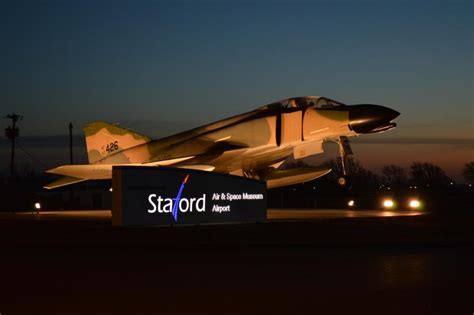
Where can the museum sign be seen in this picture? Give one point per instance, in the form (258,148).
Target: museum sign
(170,196)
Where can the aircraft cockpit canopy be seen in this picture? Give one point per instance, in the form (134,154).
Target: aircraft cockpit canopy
(304,102)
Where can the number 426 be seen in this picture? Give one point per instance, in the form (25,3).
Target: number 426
(112,146)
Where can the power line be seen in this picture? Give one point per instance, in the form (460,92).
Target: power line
(32,157)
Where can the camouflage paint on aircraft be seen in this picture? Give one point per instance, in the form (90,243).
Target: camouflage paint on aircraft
(104,140)
(253,144)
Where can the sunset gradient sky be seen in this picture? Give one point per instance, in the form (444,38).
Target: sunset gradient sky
(161,67)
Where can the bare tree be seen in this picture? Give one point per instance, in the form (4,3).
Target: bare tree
(468,172)
(394,176)
(428,174)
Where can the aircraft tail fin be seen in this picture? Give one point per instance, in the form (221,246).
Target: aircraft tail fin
(104,139)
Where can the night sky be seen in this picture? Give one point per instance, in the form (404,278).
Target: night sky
(163,67)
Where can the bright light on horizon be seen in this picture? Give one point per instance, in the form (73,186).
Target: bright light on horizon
(414,204)
(388,203)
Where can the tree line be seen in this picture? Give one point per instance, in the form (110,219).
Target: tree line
(418,174)
(421,174)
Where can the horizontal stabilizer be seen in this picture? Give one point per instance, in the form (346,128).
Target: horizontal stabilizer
(86,171)
(64,181)
(78,173)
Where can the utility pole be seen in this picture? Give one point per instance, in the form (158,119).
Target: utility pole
(71,191)
(12,132)
(70,143)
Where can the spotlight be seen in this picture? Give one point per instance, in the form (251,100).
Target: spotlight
(414,204)
(388,203)
(350,203)
(37,207)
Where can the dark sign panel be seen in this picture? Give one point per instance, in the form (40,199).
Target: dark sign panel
(166,196)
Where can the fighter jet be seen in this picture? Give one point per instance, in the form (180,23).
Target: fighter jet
(253,144)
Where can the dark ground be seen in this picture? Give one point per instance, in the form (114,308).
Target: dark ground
(393,265)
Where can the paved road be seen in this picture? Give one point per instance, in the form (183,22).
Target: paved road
(300,262)
(292,214)
(273,214)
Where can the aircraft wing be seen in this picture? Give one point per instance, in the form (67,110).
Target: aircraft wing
(279,178)
(202,167)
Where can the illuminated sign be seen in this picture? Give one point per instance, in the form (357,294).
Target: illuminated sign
(166,196)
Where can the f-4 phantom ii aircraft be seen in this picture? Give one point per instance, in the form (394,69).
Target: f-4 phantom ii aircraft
(252,144)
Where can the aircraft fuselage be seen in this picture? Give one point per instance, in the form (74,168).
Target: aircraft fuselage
(246,144)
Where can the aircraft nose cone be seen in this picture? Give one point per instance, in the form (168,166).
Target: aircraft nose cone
(371,118)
